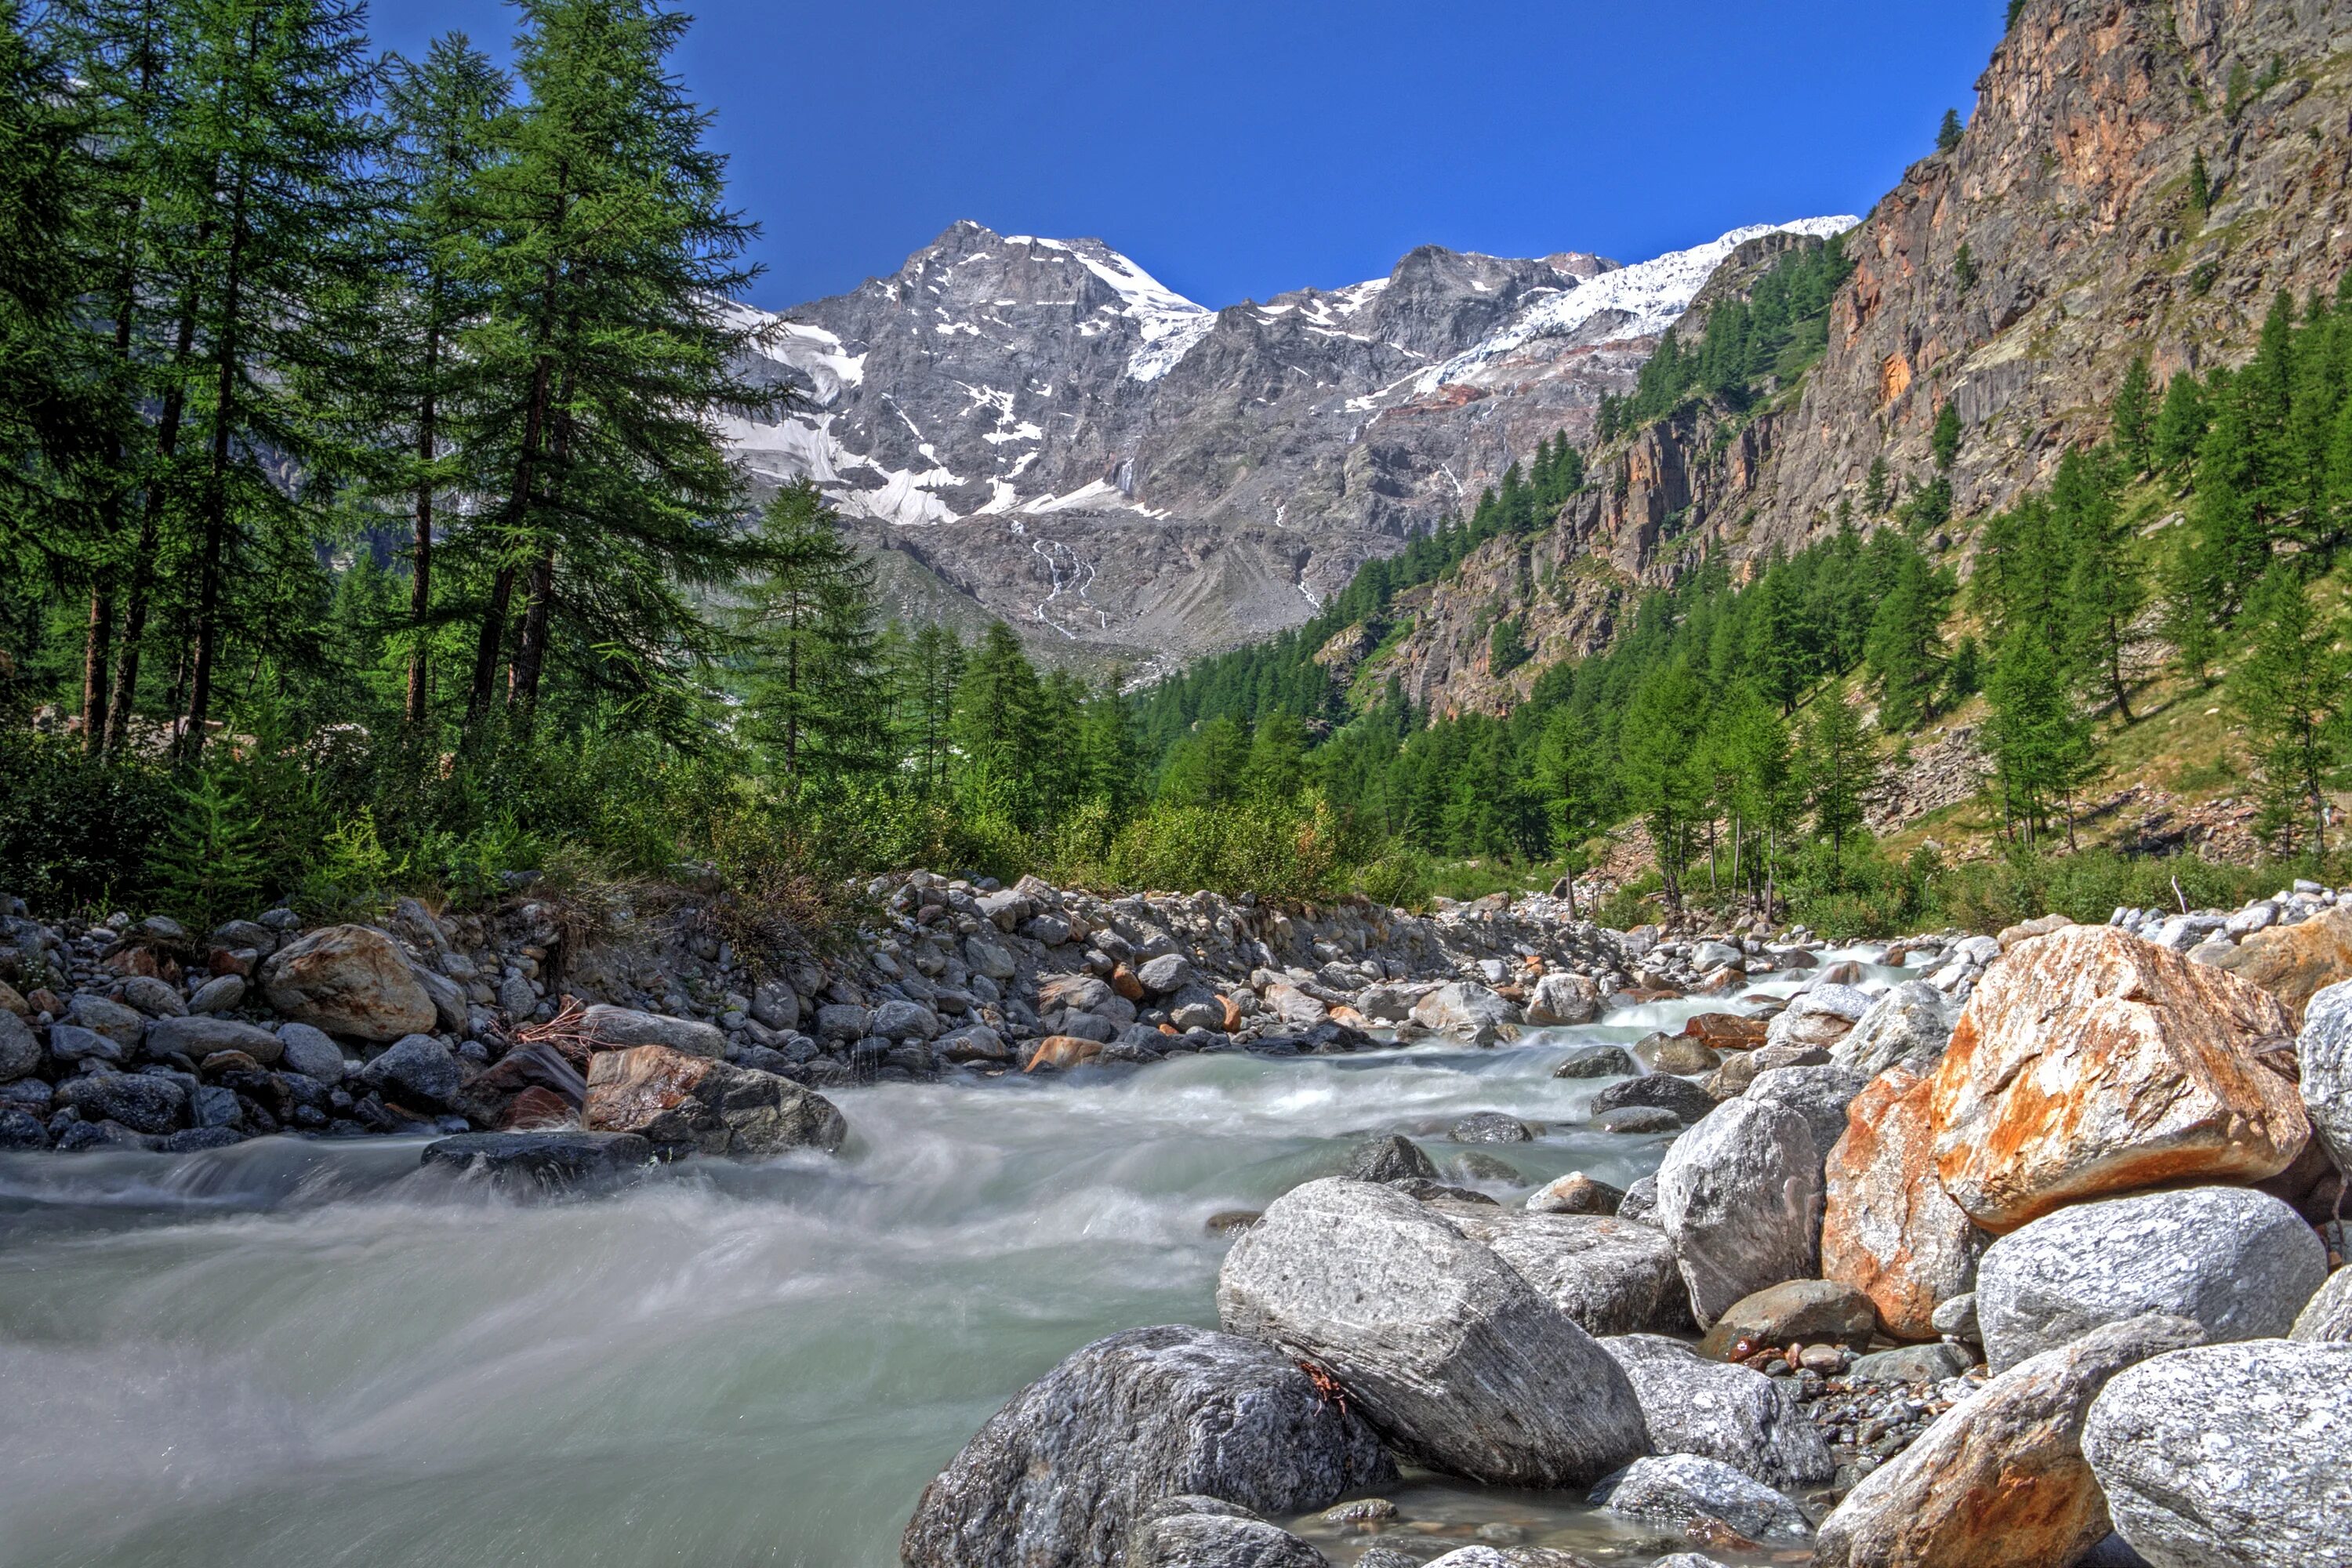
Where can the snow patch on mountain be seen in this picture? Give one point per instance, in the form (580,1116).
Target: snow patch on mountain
(1171,325)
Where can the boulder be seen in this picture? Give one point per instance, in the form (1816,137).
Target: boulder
(72,1043)
(1466,1010)
(1739,1194)
(1795,1311)
(2323,1051)
(1663,1091)
(974,1043)
(1820,1094)
(544,1161)
(197,1037)
(2088,1062)
(894,1020)
(1450,1354)
(2297,963)
(1686,1490)
(1678,1053)
(1741,1071)
(156,998)
(1912,1364)
(100,1015)
(776,1005)
(1293,1006)
(2234,1456)
(1731,1414)
(1999,1480)
(1067,1470)
(838,1022)
(1610,1275)
(2239,1263)
(1391,1159)
(1641,1200)
(1209,1533)
(221,994)
(1597,1061)
(1058,1053)
(349,980)
(1166,974)
(1728,1031)
(143,1102)
(689,1104)
(2326,1318)
(611,1028)
(1575,1193)
(1818,1018)
(20,1053)
(417,1071)
(1563,1000)
(1888,1227)
(1911,1024)
(1489,1127)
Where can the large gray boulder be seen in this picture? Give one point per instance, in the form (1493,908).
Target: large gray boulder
(1685,1098)
(308,1051)
(2324,1052)
(1451,1355)
(1686,1490)
(1065,1472)
(1611,1275)
(417,1070)
(1819,1094)
(2238,1261)
(349,980)
(1394,1158)
(1999,1480)
(1819,1016)
(542,1161)
(1721,1411)
(20,1053)
(1210,1532)
(1913,1024)
(143,1102)
(611,1028)
(1465,1011)
(2327,1317)
(1741,1196)
(2236,1456)
(197,1037)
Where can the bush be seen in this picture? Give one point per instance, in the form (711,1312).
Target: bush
(2088,887)
(75,833)
(1402,878)
(1229,849)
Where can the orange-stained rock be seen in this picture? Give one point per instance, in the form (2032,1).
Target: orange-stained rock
(349,980)
(1059,1051)
(2297,963)
(2089,1063)
(1123,981)
(687,1104)
(537,1108)
(1232,1014)
(1888,1230)
(1728,1031)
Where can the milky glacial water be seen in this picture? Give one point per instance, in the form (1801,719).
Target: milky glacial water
(312,1352)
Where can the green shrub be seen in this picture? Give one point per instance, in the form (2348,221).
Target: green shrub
(1402,879)
(76,833)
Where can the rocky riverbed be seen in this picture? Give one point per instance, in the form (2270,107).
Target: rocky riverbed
(1679,1246)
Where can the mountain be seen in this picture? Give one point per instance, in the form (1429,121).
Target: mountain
(2071,192)
(1038,430)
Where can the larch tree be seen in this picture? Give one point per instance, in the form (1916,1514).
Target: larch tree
(2290,693)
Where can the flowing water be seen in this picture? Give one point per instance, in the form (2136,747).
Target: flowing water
(314,1354)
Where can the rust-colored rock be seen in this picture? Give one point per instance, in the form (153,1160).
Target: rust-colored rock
(1123,981)
(1888,1229)
(2089,1063)
(1728,1031)
(687,1104)
(1060,1051)
(536,1107)
(349,980)
(2297,963)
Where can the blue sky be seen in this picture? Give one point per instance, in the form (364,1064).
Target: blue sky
(1236,150)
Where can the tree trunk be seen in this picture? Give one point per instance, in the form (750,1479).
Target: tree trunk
(420,565)
(215,508)
(151,522)
(530,653)
(97,652)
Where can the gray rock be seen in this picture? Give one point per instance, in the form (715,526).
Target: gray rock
(20,1128)
(1819,1016)
(896,1021)
(840,1021)
(218,995)
(2236,1456)
(86,1135)
(1819,1094)
(124,1026)
(1466,1010)
(311,1052)
(216,1106)
(1391,1159)
(1683,1490)
(611,1028)
(1740,1194)
(1912,1364)
(2327,1317)
(448,997)
(72,1043)
(1639,1119)
(1723,1412)
(1575,1193)
(1913,1023)
(1490,1126)
(1209,1533)
(1641,1200)
(989,959)
(1563,999)
(144,1102)
(1447,1349)
(1169,972)
(1657,1090)
(546,1162)
(2238,1261)
(2325,1053)
(1065,1471)
(153,997)
(198,1037)
(1957,1316)
(974,1043)
(20,1053)
(1597,1061)
(1470,1166)
(776,1005)
(416,1071)
(517,1000)
(1610,1275)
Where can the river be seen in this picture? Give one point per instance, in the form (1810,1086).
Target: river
(311,1353)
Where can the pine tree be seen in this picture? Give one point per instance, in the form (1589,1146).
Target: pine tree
(1658,754)
(2233,550)
(1573,781)
(1946,438)
(1877,487)
(2039,744)
(2133,421)
(1110,758)
(999,731)
(2289,692)
(1948,134)
(808,620)
(2103,598)
(1840,772)
(2200,186)
(1904,654)
(2179,427)
(929,665)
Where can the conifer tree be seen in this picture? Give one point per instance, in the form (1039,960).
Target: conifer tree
(2233,550)
(808,620)
(1877,487)
(925,672)
(1948,134)
(1904,654)
(2179,426)
(2040,746)
(1658,766)
(2289,692)
(1573,781)
(2103,595)
(1946,438)
(1110,758)
(1277,769)
(998,731)
(2133,421)
(1841,773)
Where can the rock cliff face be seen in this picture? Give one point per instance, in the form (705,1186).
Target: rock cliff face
(2071,193)
(1037,429)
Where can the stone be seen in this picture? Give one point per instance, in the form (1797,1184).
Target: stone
(20,1053)
(2326,1318)
(81,1136)
(195,1140)
(896,1021)
(2234,1456)
(1209,1533)
(2323,1051)
(349,980)
(1293,1006)
(306,1049)
(1958,1317)
(1739,1072)
(1999,1480)
(197,1037)
(1464,1010)
(1730,1413)
(2295,962)
(1597,1061)
(1820,1017)
(417,1071)
(1067,1469)
(2089,1062)
(1727,1031)
(153,997)
(1910,1025)
(1450,1354)
(1641,1200)
(1640,1120)
(776,1005)
(1679,1054)
(1662,1091)
(1490,1126)
(448,999)
(989,959)
(611,1028)
(1912,1364)
(126,1026)
(2239,1263)
(219,994)
(1575,1193)
(1058,1053)
(974,1043)
(1611,1275)
(545,1161)
(143,1102)
(72,1043)
(1740,1196)
(1888,1227)
(1563,1000)
(695,1105)
(1795,1311)
(1820,1094)
(1166,974)
(1685,1489)
(1391,1159)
